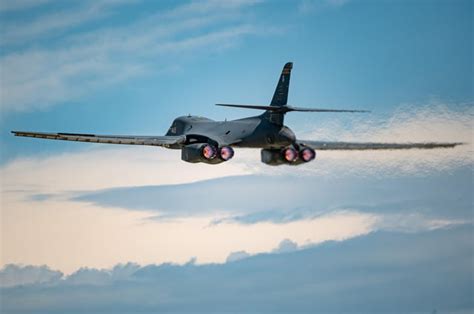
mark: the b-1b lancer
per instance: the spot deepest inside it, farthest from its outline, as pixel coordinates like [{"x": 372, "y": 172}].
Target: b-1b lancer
[{"x": 204, "y": 140}]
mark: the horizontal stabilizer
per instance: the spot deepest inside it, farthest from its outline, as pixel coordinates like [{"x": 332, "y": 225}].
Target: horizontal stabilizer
[{"x": 285, "y": 109}]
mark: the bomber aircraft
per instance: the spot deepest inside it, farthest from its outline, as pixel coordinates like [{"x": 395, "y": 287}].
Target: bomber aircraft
[{"x": 204, "y": 140}]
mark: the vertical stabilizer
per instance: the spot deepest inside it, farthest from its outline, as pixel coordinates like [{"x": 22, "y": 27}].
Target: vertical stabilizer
[{"x": 280, "y": 97}]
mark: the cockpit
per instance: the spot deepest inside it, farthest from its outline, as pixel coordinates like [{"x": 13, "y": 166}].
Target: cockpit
[
  {"x": 185, "y": 124},
  {"x": 177, "y": 127}
]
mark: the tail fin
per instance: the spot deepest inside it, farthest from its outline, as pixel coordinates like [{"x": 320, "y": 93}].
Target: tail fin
[
  {"x": 275, "y": 113},
  {"x": 280, "y": 97}
]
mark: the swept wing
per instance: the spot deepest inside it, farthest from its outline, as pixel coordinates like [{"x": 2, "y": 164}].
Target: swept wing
[
  {"x": 164, "y": 141},
  {"x": 321, "y": 145}
]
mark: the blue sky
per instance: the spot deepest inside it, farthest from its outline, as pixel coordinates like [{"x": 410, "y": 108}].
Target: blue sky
[
  {"x": 119, "y": 67},
  {"x": 393, "y": 230}
]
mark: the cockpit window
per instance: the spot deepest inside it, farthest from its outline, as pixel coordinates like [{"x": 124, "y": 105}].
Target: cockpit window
[
  {"x": 173, "y": 128},
  {"x": 176, "y": 128}
]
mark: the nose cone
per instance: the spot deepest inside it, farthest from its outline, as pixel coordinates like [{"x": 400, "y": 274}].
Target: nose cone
[{"x": 287, "y": 135}]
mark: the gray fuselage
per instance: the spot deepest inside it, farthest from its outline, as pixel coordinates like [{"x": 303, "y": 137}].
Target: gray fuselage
[{"x": 252, "y": 132}]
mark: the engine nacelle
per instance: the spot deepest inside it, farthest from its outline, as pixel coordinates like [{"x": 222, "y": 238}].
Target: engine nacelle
[
  {"x": 272, "y": 157},
  {"x": 287, "y": 156},
  {"x": 200, "y": 152},
  {"x": 207, "y": 153}
]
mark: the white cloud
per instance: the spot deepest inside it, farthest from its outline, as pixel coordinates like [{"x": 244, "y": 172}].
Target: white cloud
[
  {"x": 310, "y": 6},
  {"x": 67, "y": 235},
  {"x": 429, "y": 265},
  {"x": 433, "y": 123},
  {"x": 42, "y": 76},
  {"x": 15, "y": 275},
  {"x": 18, "y": 5},
  {"x": 285, "y": 246},
  {"x": 205, "y": 7},
  {"x": 18, "y": 275},
  {"x": 415, "y": 222},
  {"x": 89, "y": 276},
  {"x": 56, "y": 23},
  {"x": 99, "y": 168},
  {"x": 236, "y": 256}
]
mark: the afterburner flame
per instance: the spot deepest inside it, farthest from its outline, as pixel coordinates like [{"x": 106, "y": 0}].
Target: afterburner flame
[
  {"x": 290, "y": 154},
  {"x": 307, "y": 154},
  {"x": 226, "y": 153},
  {"x": 209, "y": 152}
]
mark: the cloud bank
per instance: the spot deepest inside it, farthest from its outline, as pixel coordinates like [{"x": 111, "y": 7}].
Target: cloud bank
[
  {"x": 381, "y": 272},
  {"x": 310, "y": 197},
  {"x": 17, "y": 275}
]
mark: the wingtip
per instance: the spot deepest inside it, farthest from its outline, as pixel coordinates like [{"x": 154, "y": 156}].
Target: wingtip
[{"x": 446, "y": 145}]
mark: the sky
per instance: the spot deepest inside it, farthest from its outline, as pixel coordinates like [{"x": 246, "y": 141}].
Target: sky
[{"x": 112, "y": 228}]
